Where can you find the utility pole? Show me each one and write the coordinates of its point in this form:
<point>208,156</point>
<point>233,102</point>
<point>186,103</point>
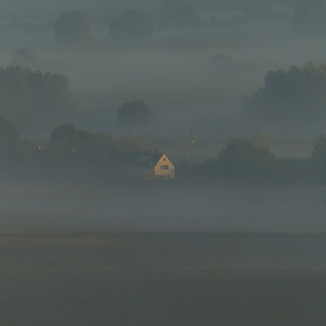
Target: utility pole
<point>192,141</point>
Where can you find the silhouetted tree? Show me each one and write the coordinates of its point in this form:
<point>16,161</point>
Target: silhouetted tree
<point>67,141</point>
<point>64,138</point>
<point>319,152</point>
<point>293,94</point>
<point>94,145</point>
<point>8,134</point>
<point>132,26</point>
<point>30,99</point>
<point>240,158</point>
<point>178,12</point>
<point>72,29</point>
<point>135,111</point>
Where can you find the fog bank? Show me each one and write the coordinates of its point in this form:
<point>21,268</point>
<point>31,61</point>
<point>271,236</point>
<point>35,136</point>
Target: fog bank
<point>167,208</point>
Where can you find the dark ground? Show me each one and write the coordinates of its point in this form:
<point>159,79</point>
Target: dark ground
<point>162,279</point>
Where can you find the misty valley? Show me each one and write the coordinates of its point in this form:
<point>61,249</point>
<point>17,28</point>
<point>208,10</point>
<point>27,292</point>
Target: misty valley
<point>163,162</point>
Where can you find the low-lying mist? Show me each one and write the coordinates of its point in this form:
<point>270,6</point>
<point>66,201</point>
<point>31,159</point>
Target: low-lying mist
<point>163,208</point>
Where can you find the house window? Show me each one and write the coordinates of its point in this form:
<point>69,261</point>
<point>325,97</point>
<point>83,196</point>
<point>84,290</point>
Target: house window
<point>164,167</point>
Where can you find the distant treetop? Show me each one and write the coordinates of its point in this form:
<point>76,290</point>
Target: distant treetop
<point>135,111</point>
<point>8,133</point>
<point>31,99</point>
<point>319,152</point>
<point>292,94</point>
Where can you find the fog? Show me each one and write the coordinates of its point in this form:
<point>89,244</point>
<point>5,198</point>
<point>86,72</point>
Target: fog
<point>169,209</point>
<point>189,75</point>
<point>175,73</point>
<point>237,238</point>
<point>196,75</point>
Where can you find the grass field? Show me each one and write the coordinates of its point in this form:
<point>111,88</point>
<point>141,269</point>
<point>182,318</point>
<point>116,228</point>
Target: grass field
<point>162,279</point>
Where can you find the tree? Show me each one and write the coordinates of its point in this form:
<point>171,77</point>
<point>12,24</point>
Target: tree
<point>319,152</point>
<point>178,12</point>
<point>72,29</point>
<point>293,94</point>
<point>241,158</point>
<point>67,139</point>
<point>8,134</point>
<point>309,16</point>
<point>64,138</point>
<point>135,111</point>
<point>132,26</point>
<point>32,99</point>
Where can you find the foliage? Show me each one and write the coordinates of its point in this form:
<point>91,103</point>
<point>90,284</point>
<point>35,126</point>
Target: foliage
<point>132,26</point>
<point>241,158</point>
<point>67,139</point>
<point>310,16</point>
<point>135,111</point>
<point>178,12</point>
<point>29,98</point>
<point>64,137</point>
<point>319,152</point>
<point>293,94</point>
<point>8,134</point>
<point>72,29</point>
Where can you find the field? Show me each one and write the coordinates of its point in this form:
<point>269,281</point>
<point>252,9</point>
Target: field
<point>162,279</point>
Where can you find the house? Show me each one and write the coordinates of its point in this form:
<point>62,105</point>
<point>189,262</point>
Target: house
<point>159,167</point>
<point>151,165</point>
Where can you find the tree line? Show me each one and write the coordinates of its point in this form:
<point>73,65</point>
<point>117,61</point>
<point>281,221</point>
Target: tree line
<point>68,154</point>
<point>78,155</point>
<point>290,95</point>
<point>30,99</point>
<point>241,161</point>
